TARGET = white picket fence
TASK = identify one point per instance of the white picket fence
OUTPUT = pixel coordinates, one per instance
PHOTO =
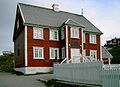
(89, 73)
(111, 78)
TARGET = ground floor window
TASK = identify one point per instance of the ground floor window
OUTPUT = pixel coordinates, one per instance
(63, 52)
(54, 53)
(38, 53)
(93, 53)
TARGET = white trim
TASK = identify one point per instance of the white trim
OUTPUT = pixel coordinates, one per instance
(21, 13)
(38, 52)
(66, 30)
(26, 60)
(67, 21)
(33, 70)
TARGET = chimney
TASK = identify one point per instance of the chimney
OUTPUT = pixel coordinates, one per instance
(55, 7)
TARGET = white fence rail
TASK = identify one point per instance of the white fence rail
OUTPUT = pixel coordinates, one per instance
(89, 73)
(110, 78)
(111, 66)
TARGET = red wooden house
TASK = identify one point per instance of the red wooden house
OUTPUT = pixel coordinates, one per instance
(43, 34)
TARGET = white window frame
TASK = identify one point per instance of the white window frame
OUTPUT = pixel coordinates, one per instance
(39, 48)
(84, 52)
(63, 52)
(84, 37)
(73, 32)
(50, 50)
(92, 39)
(52, 35)
(38, 30)
(93, 51)
(62, 34)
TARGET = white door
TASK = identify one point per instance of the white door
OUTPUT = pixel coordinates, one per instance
(75, 55)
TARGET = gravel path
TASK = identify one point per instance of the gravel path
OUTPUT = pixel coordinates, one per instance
(12, 80)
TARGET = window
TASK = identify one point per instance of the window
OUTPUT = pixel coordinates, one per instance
(54, 53)
(38, 33)
(38, 53)
(62, 34)
(93, 39)
(74, 32)
(84, 39)
(63, 52)
(54, 35)
(93, 53)
(84, 52)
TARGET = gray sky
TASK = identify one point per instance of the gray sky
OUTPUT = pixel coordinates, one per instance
(104, 14)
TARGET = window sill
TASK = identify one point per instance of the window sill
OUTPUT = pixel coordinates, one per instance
(93, 43)
(38, 58)
(74, 38)
(54, 40)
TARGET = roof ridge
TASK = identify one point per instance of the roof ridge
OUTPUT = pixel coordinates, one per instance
(49, 9)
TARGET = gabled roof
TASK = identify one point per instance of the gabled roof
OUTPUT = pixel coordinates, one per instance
(49, 17)
(74, 23)
(105, 53)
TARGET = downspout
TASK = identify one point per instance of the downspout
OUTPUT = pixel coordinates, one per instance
(66, 29)
(82, 40)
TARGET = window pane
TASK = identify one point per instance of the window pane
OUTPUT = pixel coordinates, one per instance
(36, 52)
(52, 53)
(74, 32)
(56, 53)
(40, 52)
(53, 35)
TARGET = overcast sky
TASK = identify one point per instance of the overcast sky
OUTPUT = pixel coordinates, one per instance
(104, 14)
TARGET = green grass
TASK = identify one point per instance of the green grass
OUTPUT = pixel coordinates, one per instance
(6, 63)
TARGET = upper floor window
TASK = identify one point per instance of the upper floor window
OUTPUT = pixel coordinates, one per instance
(54, 53)
(54, 35)
(92, 39)
(74, 32)
(38, 53)
(37, 33)
(93, 53)
(62, 34)
(84, 38)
